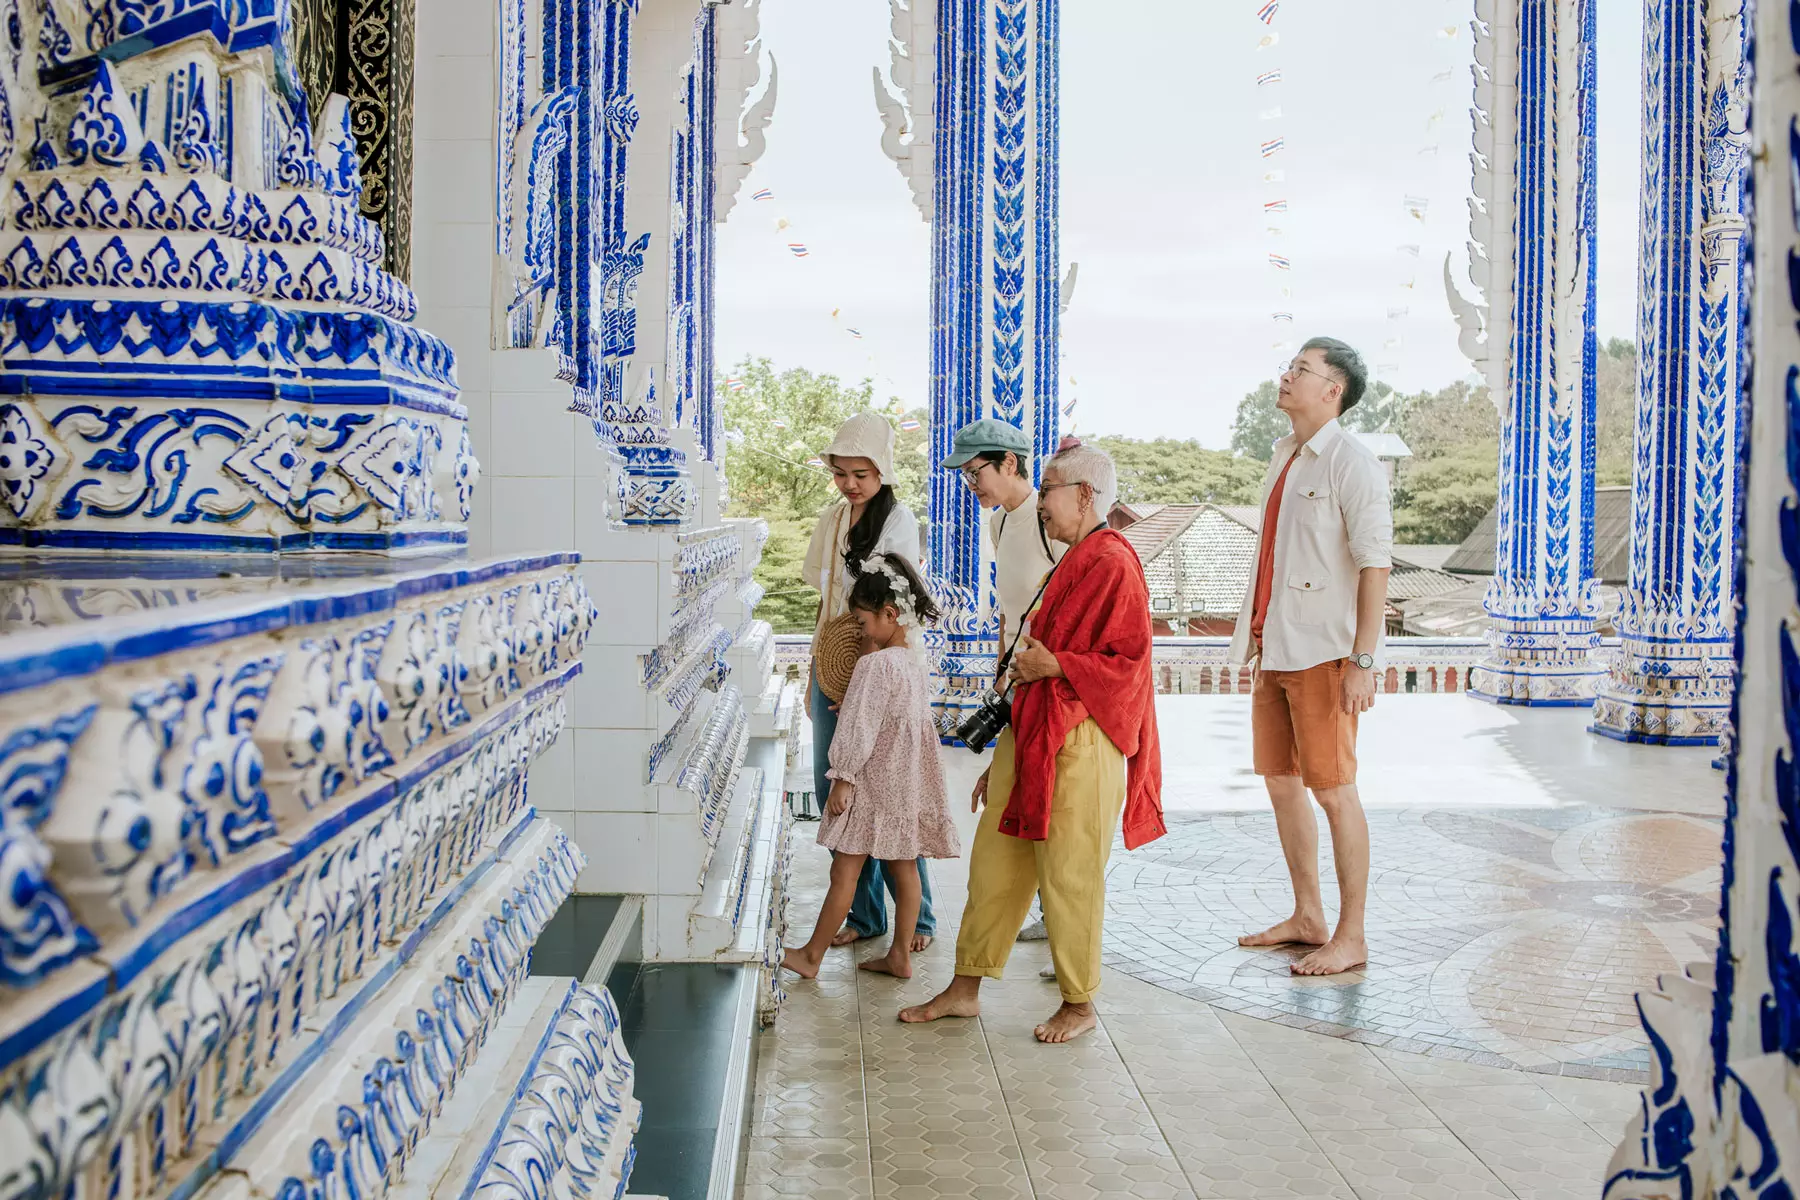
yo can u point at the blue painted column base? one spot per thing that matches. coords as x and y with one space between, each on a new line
1542 663
1666 694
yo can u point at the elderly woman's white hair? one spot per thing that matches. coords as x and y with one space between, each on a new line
1076 463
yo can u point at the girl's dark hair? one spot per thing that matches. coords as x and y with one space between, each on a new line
867 530
873 590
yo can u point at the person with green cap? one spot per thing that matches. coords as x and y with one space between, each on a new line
994 457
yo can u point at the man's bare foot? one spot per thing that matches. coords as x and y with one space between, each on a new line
892 963
1334 958
945 1004
797 961
1306 931
1068 1023
921 942
847 935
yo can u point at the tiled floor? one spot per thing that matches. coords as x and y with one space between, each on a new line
1515 904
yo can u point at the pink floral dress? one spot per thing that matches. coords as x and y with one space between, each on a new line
887 747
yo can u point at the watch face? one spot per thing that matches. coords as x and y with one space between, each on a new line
1365 661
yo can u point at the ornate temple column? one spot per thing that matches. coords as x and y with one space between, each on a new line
1717 1117
977 87
1672 682
1531 256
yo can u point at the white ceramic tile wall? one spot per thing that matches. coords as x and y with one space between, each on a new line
545 485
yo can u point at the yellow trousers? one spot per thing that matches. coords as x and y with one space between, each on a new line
1067 870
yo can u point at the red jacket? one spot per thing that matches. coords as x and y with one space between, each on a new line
1095 617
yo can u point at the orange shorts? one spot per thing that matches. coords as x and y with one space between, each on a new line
1298 726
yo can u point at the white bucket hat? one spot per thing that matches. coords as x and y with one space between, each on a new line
866 435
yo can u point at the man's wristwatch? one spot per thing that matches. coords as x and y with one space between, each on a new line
1365 661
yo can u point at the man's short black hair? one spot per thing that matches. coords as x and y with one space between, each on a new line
999 457
1340 357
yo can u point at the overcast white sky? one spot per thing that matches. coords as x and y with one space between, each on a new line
1162 200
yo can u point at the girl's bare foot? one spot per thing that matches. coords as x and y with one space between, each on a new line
1068 1023
894 963
953 1001
797 961
1305 931
847 935
921 942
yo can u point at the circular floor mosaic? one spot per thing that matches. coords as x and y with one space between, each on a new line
1513 937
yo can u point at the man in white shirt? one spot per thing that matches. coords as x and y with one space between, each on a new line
995 460
1313 620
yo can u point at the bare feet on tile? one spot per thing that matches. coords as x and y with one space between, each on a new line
1305 931
895 962
961 999
1335 957
800 963
921 942
847 935
1069 1022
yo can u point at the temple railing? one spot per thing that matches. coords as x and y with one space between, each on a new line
1199 666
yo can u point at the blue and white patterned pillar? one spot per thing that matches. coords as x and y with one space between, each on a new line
1671 684
1718 1117
1532 256
995 300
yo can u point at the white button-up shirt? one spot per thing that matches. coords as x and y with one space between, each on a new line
1336 520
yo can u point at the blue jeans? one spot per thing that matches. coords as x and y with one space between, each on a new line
868 910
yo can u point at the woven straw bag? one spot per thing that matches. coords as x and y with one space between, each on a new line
836 647
838 643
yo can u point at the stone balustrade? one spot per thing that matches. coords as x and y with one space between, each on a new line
1199 665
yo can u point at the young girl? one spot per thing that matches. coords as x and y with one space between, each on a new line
887 794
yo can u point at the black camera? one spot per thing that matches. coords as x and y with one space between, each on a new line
982 726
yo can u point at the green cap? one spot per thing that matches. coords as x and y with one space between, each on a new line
987 434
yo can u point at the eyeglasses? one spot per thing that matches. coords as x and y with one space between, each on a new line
1296 367
1051 487
972 477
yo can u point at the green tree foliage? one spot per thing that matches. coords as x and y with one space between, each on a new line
1439 500
1259 424
774 426
1615 415
1167 471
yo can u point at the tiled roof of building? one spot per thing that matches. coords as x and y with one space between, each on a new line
1149 535
1612 540
1413 583
1431 557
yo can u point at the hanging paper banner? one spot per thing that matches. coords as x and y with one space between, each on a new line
799 249
1282 346
1409 251
910 426
1388 369
1268 77
778 423
855 333
1275 177
1394 314
1428 151
1393 343
1287 293
1269 40
1449 31
1273 146
1271 114
1285 317
1417 206
815 461
1266 14
1275 206
1280 262
762 194
1443 77
781 223
1408 284
733 383
1275 231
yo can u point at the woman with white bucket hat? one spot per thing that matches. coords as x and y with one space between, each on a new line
867 520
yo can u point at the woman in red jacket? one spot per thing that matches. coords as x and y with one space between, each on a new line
1081 746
